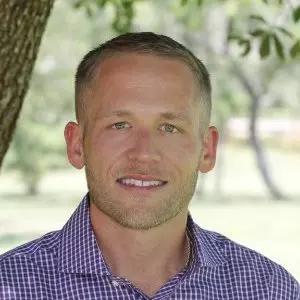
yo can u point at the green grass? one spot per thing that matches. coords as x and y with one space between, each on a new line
245 213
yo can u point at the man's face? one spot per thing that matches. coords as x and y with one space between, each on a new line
142 140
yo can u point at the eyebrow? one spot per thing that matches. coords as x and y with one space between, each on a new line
176 116
164 115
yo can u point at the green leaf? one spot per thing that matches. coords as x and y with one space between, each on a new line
101 3
242 41
199 2
258 32
89 11
295 50
278 46
232 37
296 14
78 4
184 2
245 44
257 18
247 48
284 31
264 49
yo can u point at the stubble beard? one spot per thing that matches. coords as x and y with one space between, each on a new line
139 214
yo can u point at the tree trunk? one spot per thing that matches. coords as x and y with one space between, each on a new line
22 24
255 142
260 157
254 97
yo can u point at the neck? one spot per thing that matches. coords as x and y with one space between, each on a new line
142 256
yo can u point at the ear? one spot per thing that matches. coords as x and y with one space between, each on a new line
74 145
209 150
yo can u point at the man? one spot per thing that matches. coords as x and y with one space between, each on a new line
143 105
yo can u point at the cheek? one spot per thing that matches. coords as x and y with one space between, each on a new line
106 147
183 150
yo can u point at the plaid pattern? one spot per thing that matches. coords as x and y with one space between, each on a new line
68 264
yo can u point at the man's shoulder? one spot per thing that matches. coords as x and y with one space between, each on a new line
241 256
40 251
243 263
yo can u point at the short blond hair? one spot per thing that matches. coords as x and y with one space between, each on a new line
142 43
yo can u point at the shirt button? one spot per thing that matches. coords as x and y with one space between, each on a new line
115 283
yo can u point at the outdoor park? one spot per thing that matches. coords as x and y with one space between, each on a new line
251 49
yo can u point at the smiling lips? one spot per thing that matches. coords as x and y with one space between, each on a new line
141 181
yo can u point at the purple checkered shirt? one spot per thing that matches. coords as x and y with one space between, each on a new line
68 264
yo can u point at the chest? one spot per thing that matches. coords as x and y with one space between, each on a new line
200 286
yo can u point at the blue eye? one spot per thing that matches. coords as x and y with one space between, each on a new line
120 125
170 128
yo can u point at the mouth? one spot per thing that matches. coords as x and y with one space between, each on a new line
141 184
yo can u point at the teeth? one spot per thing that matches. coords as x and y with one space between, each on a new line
141 182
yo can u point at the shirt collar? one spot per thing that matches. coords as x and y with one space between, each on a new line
207 247
79 252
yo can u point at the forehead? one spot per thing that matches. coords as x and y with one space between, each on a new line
144 67
143 78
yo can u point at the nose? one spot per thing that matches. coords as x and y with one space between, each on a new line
144 147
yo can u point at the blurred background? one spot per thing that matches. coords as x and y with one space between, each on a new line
253 194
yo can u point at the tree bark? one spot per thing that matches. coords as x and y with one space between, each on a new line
22 24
